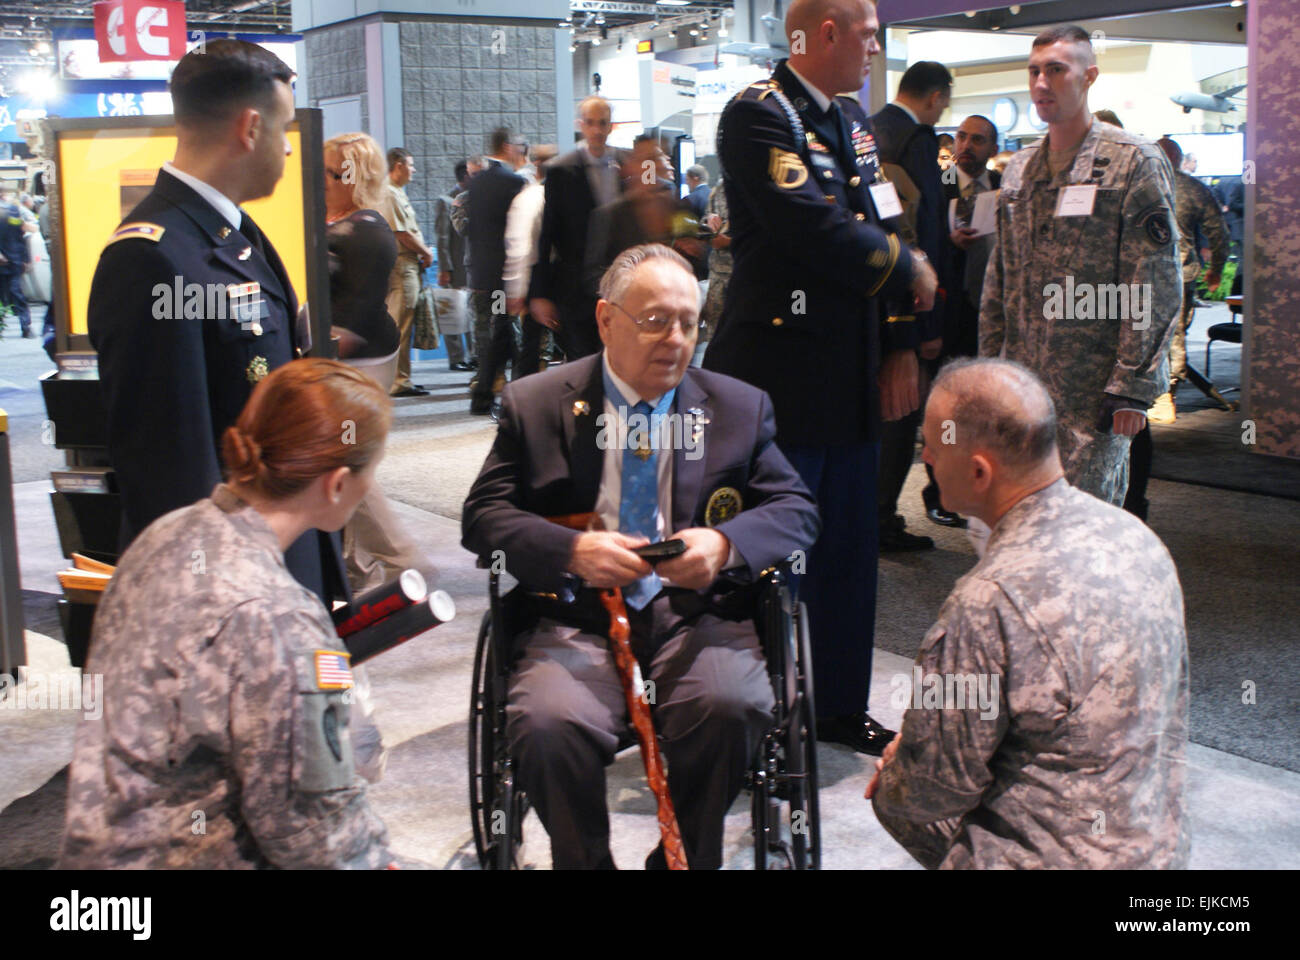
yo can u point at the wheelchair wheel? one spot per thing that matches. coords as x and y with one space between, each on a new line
784 782
497 809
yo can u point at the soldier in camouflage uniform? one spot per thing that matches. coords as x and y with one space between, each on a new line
1083 285
1072 622
1195 207
225 738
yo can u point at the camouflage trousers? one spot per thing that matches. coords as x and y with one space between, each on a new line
1094 462
928 843
1178 342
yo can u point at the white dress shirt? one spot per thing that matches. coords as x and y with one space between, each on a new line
220 202
523 227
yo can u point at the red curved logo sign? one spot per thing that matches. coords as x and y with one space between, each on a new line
140 29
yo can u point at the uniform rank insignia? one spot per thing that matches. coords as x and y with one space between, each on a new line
332 670
142 231
786 169
256 370
723 504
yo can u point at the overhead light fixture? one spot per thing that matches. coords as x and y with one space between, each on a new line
573 48
672 33
595 41
1013 9
694 31
673 3
600 19
970 14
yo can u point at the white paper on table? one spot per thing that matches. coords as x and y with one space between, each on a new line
984 218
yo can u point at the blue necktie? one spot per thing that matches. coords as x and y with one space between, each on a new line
638 507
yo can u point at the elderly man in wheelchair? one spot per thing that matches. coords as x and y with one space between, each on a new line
630 471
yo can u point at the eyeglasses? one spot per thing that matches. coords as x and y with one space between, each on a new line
655 325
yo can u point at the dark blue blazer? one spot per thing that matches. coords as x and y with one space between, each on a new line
915 148
546 462
490 194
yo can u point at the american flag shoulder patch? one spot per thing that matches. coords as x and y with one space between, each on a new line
332 670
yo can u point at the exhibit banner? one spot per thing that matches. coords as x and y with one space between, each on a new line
140 29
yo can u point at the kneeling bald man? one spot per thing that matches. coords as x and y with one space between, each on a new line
1048 718
657 450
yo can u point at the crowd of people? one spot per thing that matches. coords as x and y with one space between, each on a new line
856 294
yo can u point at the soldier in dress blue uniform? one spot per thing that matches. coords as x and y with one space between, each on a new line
814 251
191 305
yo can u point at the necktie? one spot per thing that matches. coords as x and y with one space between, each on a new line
249 229
638 507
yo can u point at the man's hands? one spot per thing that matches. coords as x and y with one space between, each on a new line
515 306
1213 278
930 349
706 554
899 387
544 312
605 560
426 258
963 237
924 284
1127 423
885 757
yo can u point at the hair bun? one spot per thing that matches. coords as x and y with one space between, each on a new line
243 455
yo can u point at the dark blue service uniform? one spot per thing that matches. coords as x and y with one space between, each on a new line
803 320
187 315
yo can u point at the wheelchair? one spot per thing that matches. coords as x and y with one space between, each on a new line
782 781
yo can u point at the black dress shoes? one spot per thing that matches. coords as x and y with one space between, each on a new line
900 541
460 365
945 518
412 391
856 730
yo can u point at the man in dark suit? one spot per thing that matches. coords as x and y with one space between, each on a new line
965 256
812 254
908 146
576 184
191 306
657 450
487 204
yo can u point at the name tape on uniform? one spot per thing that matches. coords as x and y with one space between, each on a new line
885 197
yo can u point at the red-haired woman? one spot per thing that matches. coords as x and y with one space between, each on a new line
224 739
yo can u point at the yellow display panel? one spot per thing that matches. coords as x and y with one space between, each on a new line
105 173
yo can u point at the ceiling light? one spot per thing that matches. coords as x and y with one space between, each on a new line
600 19
595 41
673 3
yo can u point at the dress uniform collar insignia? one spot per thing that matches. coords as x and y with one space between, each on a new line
138 230
801 103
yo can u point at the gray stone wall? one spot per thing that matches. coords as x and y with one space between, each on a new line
461 80
336 65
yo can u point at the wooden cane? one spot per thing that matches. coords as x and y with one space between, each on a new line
639 711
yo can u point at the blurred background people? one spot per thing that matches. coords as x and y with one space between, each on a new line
945 150
718 223
453 272
523 226
697 182
578 182
481 214
13 261
413 255
362 251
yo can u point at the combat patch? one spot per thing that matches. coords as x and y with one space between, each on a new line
1155 222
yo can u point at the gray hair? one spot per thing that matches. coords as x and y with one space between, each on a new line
616 279
1002 407
698 172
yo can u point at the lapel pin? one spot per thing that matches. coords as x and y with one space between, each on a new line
223 233
245 253
581 408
